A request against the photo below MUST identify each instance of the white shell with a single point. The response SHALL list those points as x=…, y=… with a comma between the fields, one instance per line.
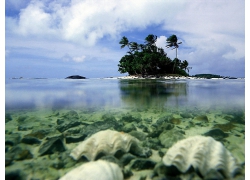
x=107, y=142
x=95, y=170
x=204, y=154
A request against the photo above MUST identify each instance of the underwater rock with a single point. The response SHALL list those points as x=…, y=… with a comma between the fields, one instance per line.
x=53, y=144
x=126, y=158
x=168, y=138
x=217, y=134
x=70, y=115
x=66, y=125
x=74, y=138
x=109, y=142
x=40, y=133
x=7, y=118
x=139, y=135
x=129, y=118
x=30, y=140
x=186, y=115
x=158, y=129
x=175, y=120
x=202, y=118
x=95, y=170
x=12, y=139
x=18, y=153
x=163, y=119
x=225, y=127
x=129, y=127
x=204, y=155
x=141, y=164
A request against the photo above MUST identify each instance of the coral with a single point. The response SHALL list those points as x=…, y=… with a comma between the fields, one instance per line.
x=109, y=142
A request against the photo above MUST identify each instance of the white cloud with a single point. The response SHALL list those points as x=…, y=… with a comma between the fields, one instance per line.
x=210, y=30
x=79, y=59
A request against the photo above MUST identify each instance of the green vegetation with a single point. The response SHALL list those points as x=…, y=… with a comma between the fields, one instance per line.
x=147, y=59
x=208, y=76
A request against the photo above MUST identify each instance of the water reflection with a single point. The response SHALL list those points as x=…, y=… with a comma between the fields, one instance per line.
x=61, y=93
x=54, y=93
x=201, y=94
x=153, y=93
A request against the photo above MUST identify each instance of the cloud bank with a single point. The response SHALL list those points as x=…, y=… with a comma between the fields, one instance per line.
x=212, y=32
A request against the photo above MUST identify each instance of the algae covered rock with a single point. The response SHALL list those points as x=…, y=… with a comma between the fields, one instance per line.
x=169, y=137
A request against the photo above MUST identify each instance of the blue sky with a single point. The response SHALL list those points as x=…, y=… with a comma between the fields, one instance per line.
x=59, y=38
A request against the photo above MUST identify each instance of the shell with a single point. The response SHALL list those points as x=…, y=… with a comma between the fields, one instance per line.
x=204, y=154
x=108, y=142
x=95, y=170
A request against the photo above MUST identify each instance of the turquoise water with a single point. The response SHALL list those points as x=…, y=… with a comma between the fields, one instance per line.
x=45, y=101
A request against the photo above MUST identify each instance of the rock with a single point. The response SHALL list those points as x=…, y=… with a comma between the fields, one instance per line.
x=153, y=143
x=111, y=158
x=15, y=174
x=202, y=118
x=75, y=138
x=12, y=139
x=175, y=120
x=168, y=138
x=75, y=77
x=40, y=133
x=52, y=145
x=126, y=158
x=30, y=140
x=186, y=115
x=142, y=164
x=66, y=125
x=158, y=129
x=129, y=118
x=217, y=134
x=8, y=117
x=163, y=119
x=129, y=127
x=139, y=135
x=70, y=115
x=225, y=127
x=18, y=153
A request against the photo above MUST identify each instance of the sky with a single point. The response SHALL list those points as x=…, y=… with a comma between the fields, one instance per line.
x=59, y=38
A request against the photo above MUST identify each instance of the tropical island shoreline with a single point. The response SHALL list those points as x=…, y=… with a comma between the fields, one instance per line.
x=171, y=77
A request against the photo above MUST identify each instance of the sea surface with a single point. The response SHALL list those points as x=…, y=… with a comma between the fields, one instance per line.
x=192, y=106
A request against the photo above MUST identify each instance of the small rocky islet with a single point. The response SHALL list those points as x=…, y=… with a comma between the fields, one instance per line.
x=38, y=144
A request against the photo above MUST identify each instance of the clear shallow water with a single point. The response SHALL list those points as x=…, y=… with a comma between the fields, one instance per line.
x=44, y=101
x=100, y=93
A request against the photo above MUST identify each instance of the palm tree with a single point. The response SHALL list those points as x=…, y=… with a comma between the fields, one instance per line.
x=124, y=42
x=172, y=42
x=184, y=65
x=150, y=42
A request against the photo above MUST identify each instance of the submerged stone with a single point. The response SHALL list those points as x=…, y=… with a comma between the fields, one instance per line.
x=142, y=164
x=8, y=118
x=52, y=145
x=217, y=134
x=168, y=138
x=202, y=118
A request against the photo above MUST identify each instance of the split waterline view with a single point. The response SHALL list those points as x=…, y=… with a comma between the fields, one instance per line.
x=45, y=119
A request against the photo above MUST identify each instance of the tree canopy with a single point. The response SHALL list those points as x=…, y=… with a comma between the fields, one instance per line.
x=148, y=59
